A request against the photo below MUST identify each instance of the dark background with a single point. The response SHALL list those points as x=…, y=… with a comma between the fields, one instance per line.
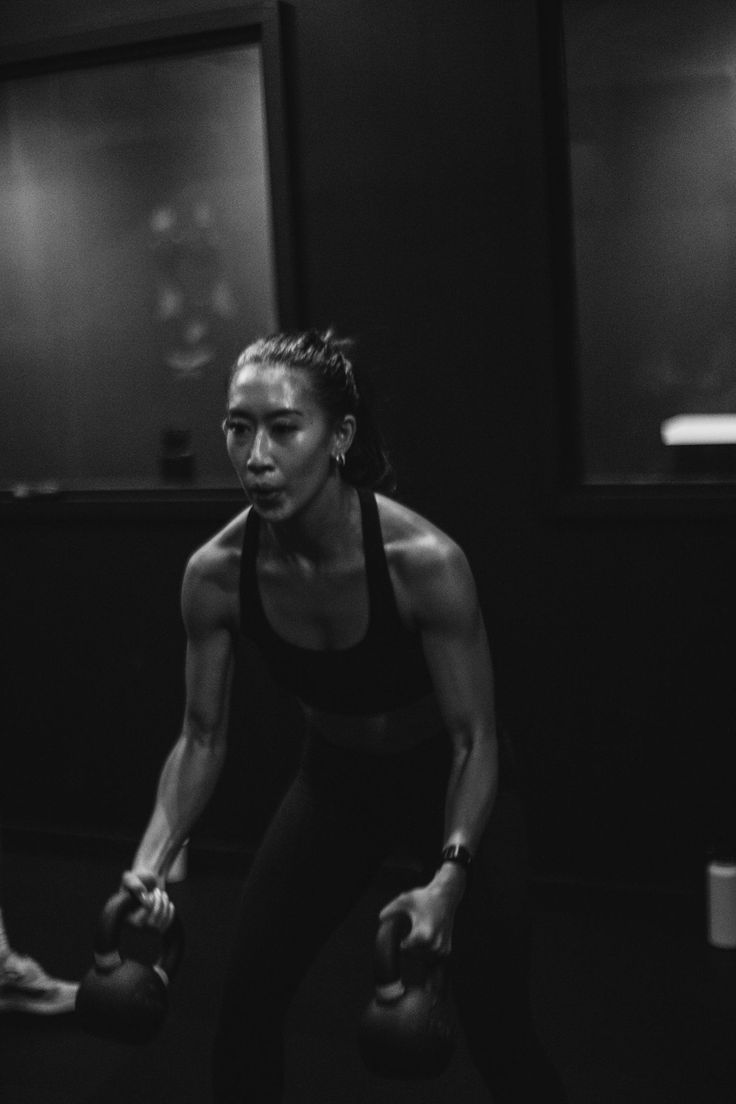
x=421, y=204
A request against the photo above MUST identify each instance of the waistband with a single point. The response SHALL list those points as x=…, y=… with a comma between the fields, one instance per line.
x=434, y=753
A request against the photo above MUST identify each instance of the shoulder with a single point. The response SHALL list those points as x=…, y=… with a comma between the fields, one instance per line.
x=429, y=569
x=210, y=587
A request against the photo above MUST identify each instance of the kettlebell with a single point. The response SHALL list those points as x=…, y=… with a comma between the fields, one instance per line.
x=408, y=1029
x=121, y=998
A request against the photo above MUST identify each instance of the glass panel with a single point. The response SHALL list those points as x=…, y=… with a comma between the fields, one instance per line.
x=652, y=128
x=136, y=261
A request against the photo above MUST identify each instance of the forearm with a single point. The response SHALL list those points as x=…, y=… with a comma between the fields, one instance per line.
x=471, y=793
x=185, y=786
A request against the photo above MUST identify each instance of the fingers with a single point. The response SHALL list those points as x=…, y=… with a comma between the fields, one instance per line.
x=398, y=904
x=404, y=905
x=426, y=935
x=422, y=938
x=157, y=909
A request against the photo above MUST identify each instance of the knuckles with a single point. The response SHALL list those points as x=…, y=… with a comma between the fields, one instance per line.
x=156, y=908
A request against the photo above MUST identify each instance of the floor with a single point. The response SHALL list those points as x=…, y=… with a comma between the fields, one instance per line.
x=633, y=1004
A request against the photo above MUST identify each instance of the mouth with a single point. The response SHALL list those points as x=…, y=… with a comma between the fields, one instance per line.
x=263, y=493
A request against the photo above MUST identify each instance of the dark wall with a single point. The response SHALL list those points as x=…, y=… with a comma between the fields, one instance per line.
x=421, y=212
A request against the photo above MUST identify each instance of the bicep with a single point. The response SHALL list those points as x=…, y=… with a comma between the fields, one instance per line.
x=209, y=660
x=209, y=666
x=456, y=647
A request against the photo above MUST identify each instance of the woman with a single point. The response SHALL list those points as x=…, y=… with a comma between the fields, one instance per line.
x=369, y=615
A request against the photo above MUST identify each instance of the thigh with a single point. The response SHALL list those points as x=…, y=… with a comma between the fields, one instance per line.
x=316, y=859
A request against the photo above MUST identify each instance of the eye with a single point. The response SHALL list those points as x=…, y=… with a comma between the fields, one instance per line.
x=284, y=428
x=236, y=426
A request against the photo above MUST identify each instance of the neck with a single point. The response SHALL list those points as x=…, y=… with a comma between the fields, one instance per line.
x=322, y=531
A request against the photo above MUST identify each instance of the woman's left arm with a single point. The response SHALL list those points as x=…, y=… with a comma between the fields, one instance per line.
x=448, y=615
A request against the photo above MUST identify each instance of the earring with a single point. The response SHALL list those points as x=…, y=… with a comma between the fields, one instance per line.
x=339, y=459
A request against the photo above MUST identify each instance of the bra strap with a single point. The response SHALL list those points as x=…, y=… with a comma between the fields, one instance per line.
x=250, y=606
x=384, y=611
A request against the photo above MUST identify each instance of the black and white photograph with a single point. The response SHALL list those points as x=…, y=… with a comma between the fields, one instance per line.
x=368, y=529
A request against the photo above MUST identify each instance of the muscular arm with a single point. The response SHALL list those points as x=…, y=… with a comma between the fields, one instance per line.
x=448, y=615
x=193, y=766
x=459, y=658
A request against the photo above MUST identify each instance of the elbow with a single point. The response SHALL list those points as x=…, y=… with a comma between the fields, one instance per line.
x=204, y=734
x=477, y=751
x=474, y=740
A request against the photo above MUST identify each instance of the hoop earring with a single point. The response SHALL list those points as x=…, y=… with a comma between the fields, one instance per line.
x=339, y=459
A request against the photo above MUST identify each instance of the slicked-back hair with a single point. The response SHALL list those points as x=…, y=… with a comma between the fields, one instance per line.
x=337, y=389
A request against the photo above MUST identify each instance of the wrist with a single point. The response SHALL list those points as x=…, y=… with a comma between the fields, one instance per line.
x=451, y=879
x=454, y=867
x=144, y=873
x=158, y=852
x=149, y=866
x=456, y=854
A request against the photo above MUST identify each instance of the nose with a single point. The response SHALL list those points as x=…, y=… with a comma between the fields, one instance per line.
x=259, y=457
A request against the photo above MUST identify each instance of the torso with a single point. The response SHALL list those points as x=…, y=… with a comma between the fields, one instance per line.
x=329, y=609
x=383, y=733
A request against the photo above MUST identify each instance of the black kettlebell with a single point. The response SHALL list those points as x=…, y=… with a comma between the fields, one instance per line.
x=408, y=1029
x=122, y=998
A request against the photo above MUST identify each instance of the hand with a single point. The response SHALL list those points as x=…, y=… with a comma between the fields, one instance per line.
x=431, y=909
x=157, y=909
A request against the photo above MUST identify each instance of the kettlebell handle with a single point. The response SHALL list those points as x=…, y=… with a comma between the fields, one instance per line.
x=106, y=944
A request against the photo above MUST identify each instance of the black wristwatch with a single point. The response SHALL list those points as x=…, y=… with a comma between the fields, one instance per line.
x=456, y=853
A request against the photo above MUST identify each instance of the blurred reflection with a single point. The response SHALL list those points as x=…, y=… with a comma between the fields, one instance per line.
x=137, y=259
x=652, y=118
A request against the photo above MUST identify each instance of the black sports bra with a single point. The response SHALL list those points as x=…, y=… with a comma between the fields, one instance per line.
x=383, y=671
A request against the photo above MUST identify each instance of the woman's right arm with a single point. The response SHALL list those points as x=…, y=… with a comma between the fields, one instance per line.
x=193, y=766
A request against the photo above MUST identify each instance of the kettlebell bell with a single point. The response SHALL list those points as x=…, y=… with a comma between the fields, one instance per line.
x=408, y=1029
x=121, y=998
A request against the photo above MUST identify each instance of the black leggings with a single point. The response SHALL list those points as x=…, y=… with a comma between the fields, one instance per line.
x=343, y=815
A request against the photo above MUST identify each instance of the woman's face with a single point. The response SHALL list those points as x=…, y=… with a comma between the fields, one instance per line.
x=279, y=438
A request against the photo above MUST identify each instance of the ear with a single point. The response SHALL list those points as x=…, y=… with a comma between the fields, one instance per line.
x=345, y=433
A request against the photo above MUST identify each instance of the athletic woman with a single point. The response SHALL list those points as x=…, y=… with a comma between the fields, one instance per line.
x=368, y=614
